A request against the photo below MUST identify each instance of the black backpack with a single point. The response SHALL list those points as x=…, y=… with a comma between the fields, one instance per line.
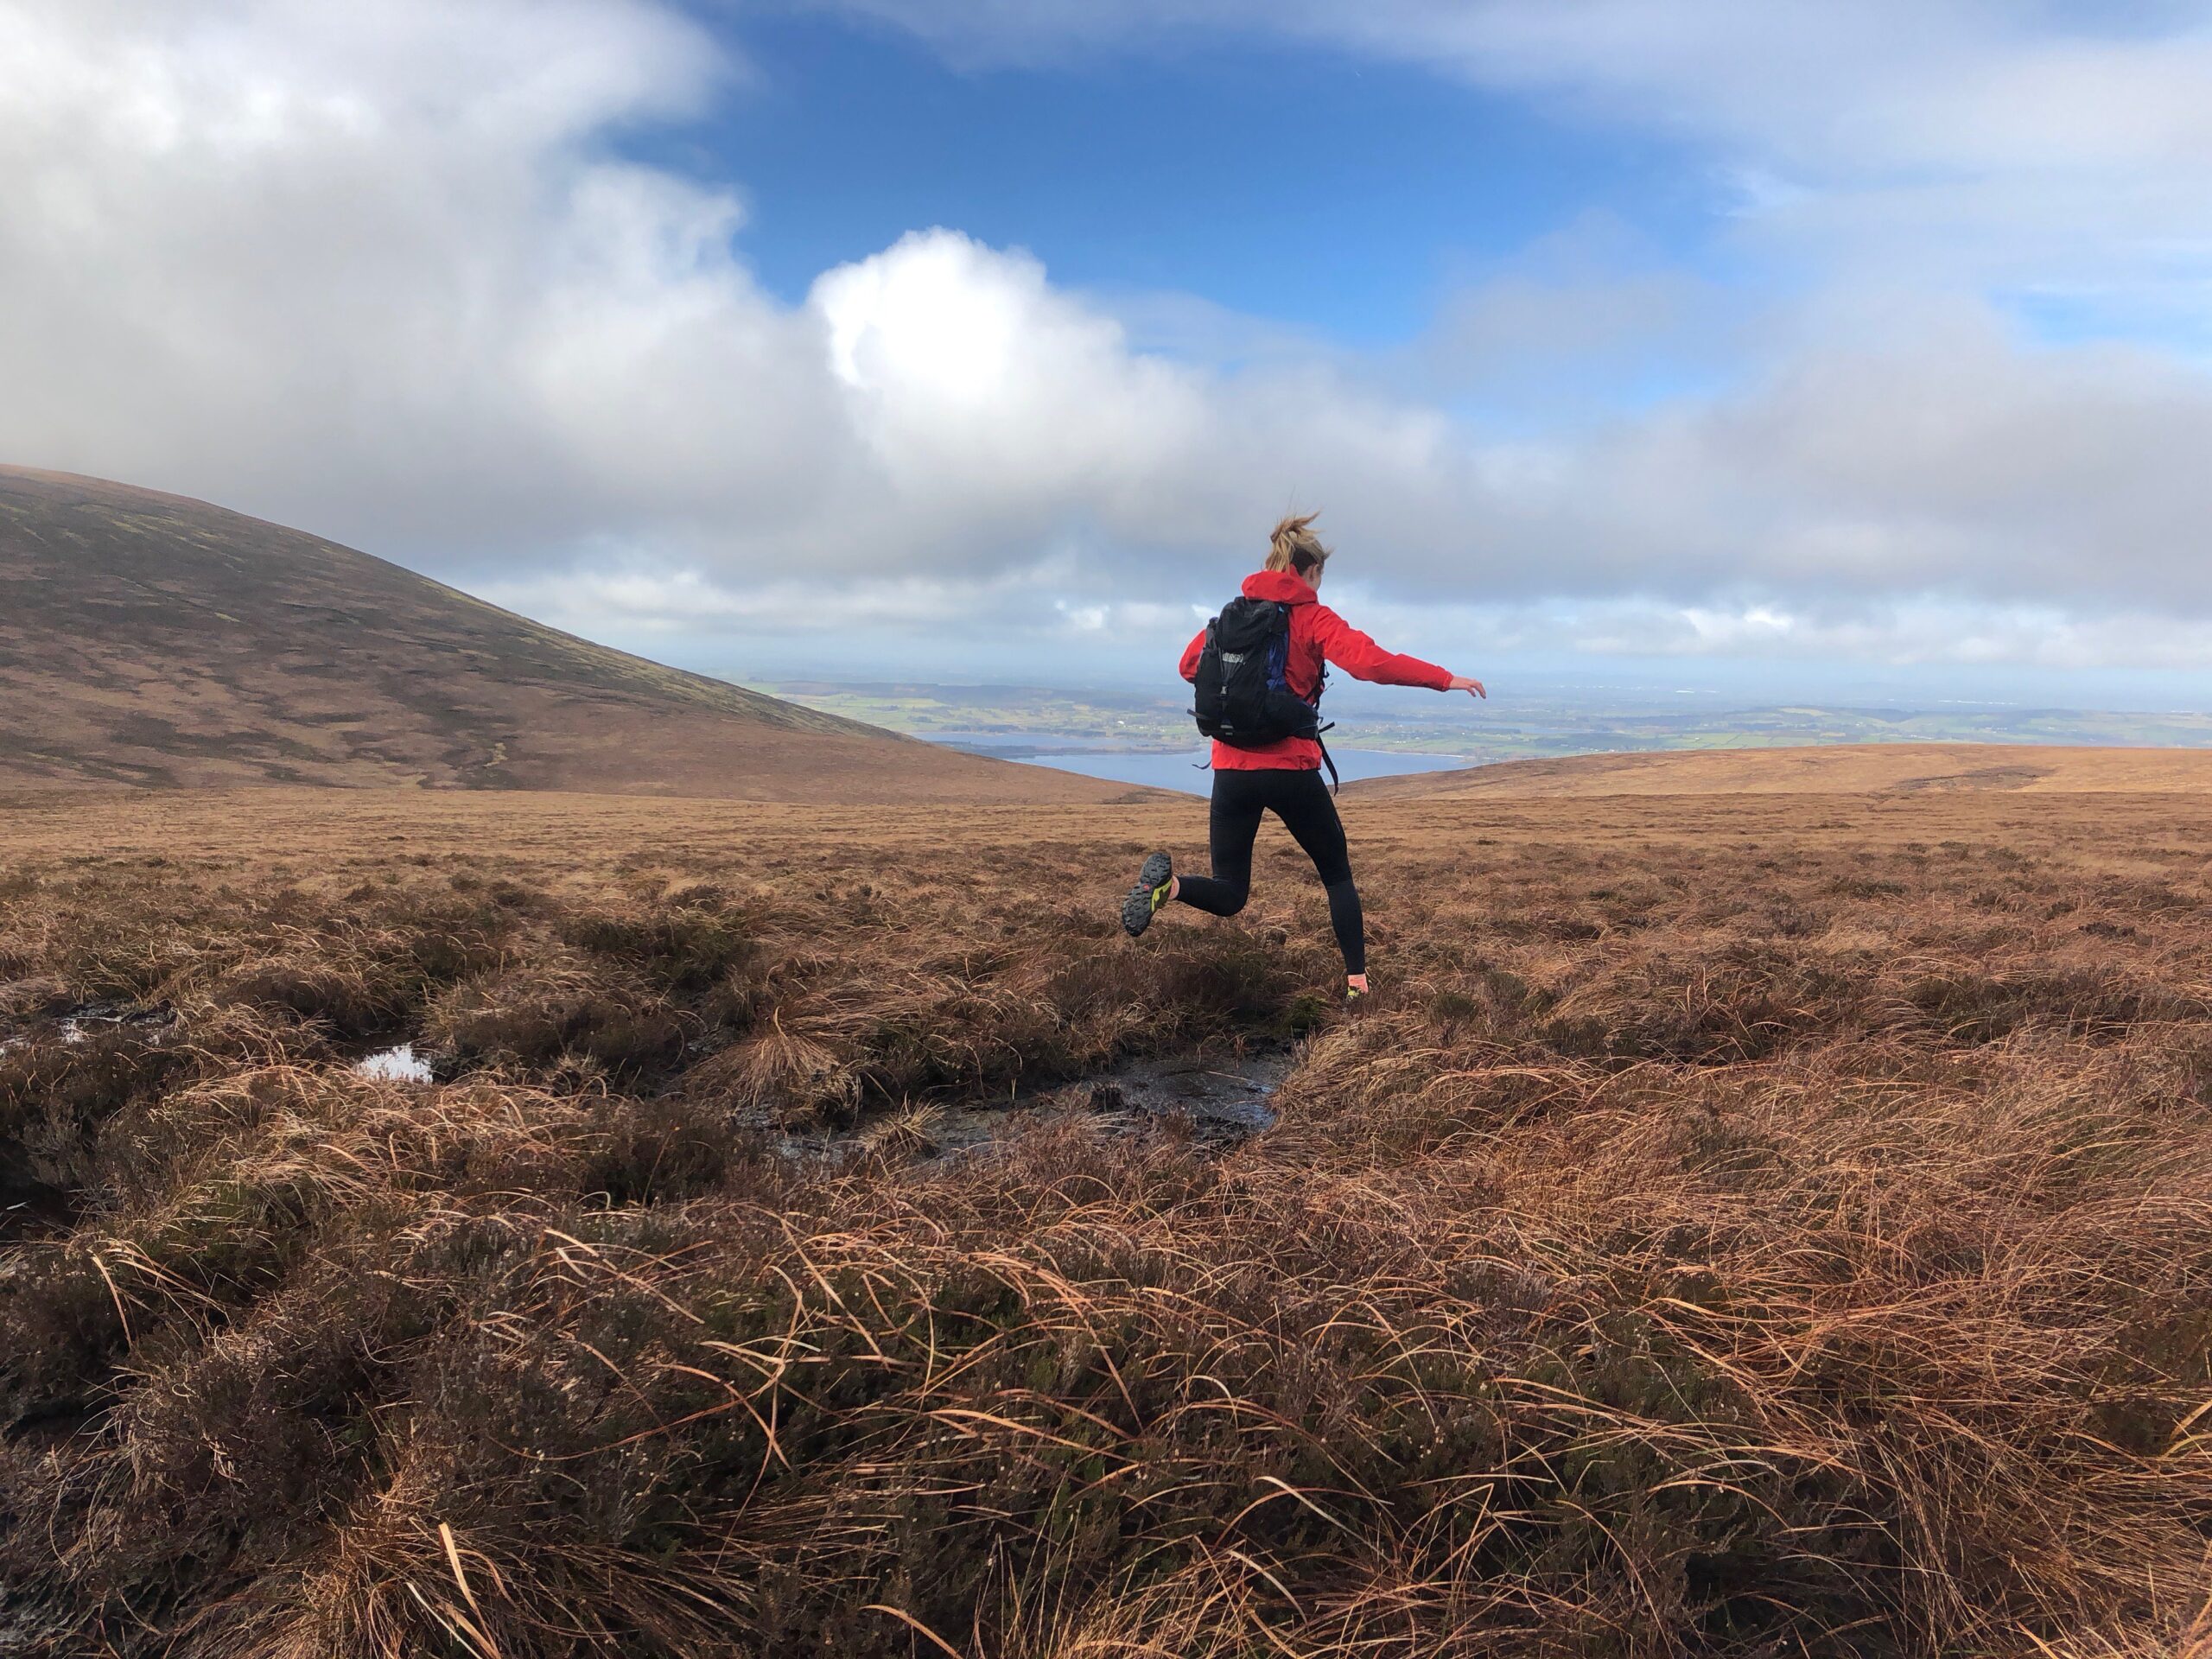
x=1245, y=697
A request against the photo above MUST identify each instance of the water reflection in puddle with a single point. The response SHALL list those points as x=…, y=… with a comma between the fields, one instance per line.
x=400, y=1065
x=1224, y=1100
x=155, y=1024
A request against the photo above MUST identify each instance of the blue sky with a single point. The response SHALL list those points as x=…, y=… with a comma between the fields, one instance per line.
x=1767, y=342
x=1278, y=181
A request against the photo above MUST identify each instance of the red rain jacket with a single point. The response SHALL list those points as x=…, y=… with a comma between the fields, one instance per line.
x=1316, y=633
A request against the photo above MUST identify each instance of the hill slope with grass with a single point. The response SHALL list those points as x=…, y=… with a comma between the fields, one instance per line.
x=1735, y=1229
x=1831, y=769
x=151, y=640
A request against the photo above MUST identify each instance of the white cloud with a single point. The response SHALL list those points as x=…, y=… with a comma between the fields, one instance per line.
x=1980, y=139
x=1809, y=84
x=393, y=282
x=1909, y=634
x=979, y=393
x=1902, y=633
x=383, y=271
x=320, y=259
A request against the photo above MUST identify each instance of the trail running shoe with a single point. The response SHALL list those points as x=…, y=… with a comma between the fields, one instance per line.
x=1354, y=996
x=1148, y=896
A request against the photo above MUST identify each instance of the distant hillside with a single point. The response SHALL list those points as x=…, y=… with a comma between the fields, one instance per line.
x=1842, y=768
x=151, y=640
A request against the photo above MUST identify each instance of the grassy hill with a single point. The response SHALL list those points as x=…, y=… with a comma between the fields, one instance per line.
x=150, y=639
x=1738, y=1227
x=1837, y=769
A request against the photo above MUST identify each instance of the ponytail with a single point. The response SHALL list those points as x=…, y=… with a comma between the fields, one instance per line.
x=1295, y=548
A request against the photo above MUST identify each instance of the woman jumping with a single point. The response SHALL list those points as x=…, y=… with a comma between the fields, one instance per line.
x=1284, y=776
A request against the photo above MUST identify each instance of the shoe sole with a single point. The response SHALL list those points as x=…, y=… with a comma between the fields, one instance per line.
x=1136, y=909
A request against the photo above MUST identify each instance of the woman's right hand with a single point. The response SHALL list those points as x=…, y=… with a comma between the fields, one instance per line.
x=1472, y=688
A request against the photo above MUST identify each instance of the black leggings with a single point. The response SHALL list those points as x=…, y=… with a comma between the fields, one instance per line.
x=1301, y=801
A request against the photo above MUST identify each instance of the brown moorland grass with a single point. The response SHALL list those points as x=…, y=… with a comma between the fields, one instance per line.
x=148, y=640
x=1911, y=768
x=1745, y=1227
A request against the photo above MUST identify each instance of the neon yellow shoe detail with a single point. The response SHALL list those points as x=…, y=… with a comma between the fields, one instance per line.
x=1155, y=882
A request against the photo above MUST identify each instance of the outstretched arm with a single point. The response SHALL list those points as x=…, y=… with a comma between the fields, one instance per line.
x=1362, y=658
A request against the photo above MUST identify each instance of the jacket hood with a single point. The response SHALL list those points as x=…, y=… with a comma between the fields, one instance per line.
x=1280, y=586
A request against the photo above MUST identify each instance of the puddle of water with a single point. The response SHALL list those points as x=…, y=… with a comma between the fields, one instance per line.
x=1230, y=1097
x=1225, y=1098
x=400, y=1065
x=26, y=1629
x=91, y=1018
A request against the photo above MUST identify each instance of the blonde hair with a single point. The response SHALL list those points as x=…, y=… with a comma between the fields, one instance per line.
x=1295, y=548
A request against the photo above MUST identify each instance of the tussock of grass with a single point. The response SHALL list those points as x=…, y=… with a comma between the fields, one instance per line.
x=1774, y=1252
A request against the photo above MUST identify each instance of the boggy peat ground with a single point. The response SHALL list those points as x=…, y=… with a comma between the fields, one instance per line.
x=1739, y=1228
